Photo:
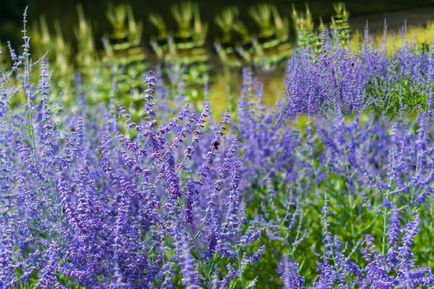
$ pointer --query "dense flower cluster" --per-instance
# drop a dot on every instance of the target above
(340, 80)
(271, 198)
(368, 166)
(82, 199)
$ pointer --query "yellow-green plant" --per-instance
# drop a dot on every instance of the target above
(41, 38)
(226, 20)
(269, 46)
(57, 50)
(158, 22)
(3, 59)
(85, 41)
(392, 40)
(117, 16)
(63, 61)
(126, 56)
(190, 33)
(135, 28)
(187, 17)
(270, 22)
(340, 26)
(96, 81)
(303, 26)
(281, 24)
(124, 25)
(63, 51)
(262, 15)
(242, 30)
(200, 29)
(183, 15)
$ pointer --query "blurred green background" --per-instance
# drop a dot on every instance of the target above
(416, 12)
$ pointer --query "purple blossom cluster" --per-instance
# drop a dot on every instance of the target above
(336, 270)
(379, 164)
(93, 199)
(369, 153)
(348, 82)
(83, 201)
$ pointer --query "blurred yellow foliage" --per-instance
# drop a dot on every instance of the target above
(421, 36)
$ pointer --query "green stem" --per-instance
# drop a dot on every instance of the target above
(240, 272)
(384, 227)
(197, 249)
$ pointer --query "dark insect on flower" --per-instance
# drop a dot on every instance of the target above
(216, 145)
